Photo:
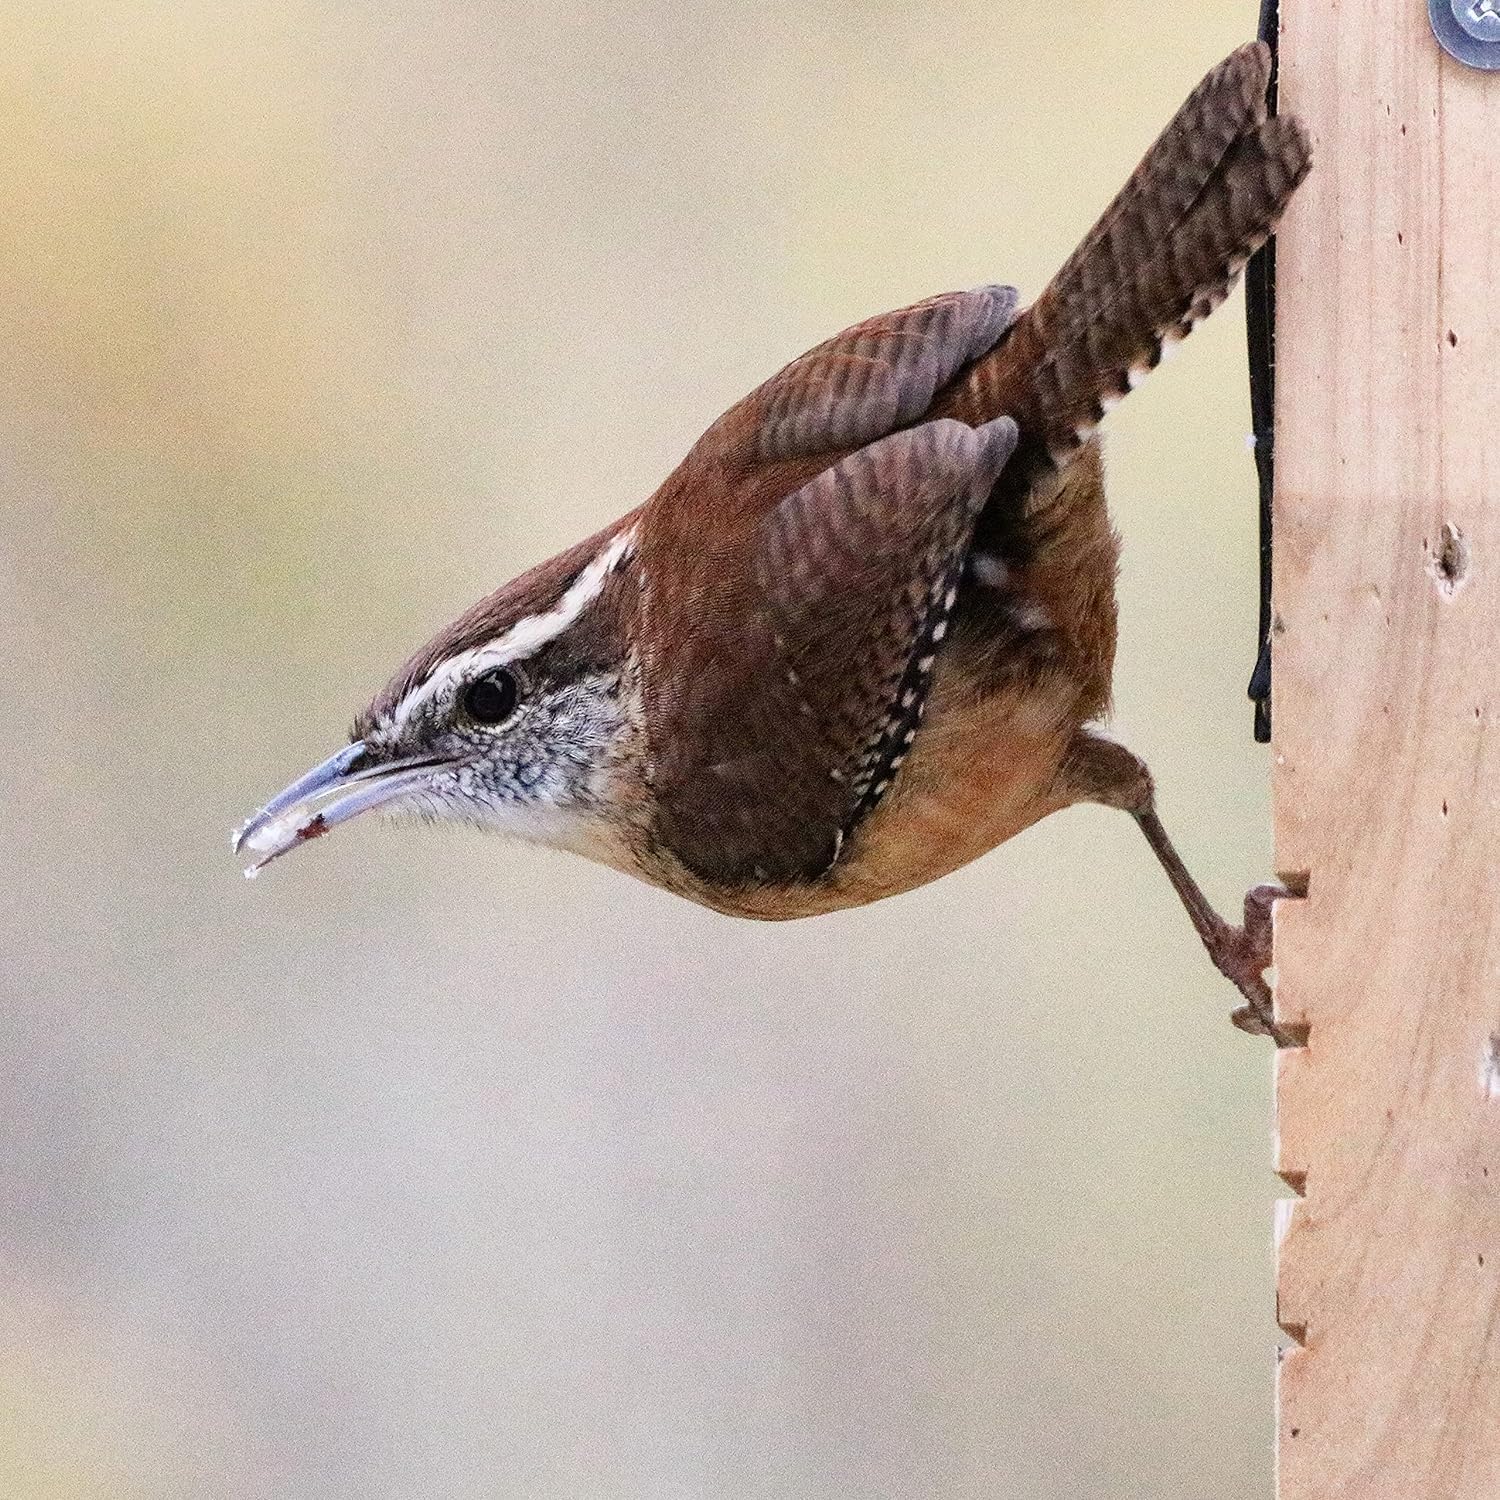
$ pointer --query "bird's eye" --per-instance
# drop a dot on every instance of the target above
(490, 699)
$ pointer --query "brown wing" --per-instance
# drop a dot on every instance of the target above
(779, 725)
(865, 382)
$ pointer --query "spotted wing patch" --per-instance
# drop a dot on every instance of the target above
(897, 730)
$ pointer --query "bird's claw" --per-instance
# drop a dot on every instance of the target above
(1243, 954)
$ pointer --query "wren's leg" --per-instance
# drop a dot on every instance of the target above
(1241, 954)
(1101, 769)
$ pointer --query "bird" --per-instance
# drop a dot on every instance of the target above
(864, 632)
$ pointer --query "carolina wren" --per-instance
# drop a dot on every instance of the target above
(865, 631)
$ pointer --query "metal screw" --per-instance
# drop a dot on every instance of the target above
(1468, 30)
(1480, 18)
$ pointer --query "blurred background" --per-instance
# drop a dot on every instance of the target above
(431, 1166)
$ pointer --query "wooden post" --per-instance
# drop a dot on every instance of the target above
(1387, 781)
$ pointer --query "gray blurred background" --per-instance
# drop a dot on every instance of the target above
(427, 1166)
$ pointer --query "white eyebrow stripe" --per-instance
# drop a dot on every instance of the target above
(534, 631)
(529, 634)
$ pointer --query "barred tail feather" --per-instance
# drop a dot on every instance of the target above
(1166, 252)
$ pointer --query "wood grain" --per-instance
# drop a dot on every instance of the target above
(1387, 783)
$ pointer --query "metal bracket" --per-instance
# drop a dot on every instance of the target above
(1468, 30)
(1260, 320)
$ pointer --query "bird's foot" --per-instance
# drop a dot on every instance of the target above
(1242, 955)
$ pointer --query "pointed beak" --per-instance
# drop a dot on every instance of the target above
(329, 794)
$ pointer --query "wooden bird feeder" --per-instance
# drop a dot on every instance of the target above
(1387, 762)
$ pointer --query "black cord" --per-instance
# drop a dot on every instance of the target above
(1260, 317)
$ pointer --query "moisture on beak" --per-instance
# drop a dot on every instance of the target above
(329, 794)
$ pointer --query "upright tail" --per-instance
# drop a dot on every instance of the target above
(1164, 254)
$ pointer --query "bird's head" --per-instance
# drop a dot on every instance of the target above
(523, 716)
